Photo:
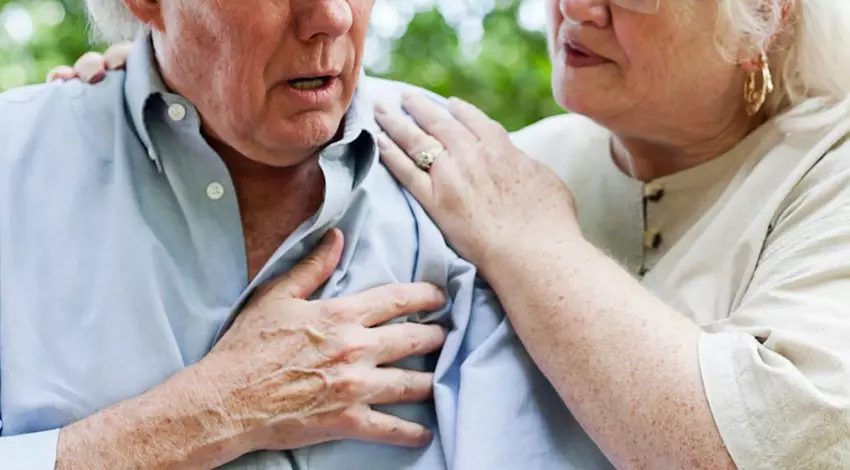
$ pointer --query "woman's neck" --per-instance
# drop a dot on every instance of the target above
(646, 159)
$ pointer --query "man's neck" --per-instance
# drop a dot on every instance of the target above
(273, 201)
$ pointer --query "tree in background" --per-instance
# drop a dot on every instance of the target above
(505, 71)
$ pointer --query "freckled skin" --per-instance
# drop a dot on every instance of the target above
(625, 363)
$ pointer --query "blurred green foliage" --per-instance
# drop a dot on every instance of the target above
(507, 75)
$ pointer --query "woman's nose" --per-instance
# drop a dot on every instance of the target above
(595, 12)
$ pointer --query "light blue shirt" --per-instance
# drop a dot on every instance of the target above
(122, 261)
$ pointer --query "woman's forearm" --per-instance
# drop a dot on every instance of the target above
(624, 362)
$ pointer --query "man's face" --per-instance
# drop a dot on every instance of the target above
(271, 78)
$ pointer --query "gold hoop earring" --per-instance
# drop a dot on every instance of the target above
(755, 94)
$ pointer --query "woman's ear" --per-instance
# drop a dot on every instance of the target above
(786, 16)
(148, 12)
(788, 7)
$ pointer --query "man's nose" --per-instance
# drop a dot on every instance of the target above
(319, 20)
(595, 12)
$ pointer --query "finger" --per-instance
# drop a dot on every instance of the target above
(406, 134)
(481, 125)
(401, 340)
(437, 121)
(311, 272)
(416, 181)
(90, 67)
(391, 385)
(116, 56)
(62, 72)
(374, 426)
(382, 304)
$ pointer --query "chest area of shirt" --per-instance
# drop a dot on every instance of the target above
(123, 290)
(660, 235)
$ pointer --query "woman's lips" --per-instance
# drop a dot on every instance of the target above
(578, 56)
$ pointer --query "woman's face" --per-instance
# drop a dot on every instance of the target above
(647, 75)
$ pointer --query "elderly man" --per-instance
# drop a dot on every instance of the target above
(153, 313)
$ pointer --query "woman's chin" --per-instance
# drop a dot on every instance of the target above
(578, 103)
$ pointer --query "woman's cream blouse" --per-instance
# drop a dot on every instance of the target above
(754, 246)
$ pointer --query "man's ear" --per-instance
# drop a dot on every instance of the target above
(148, 12)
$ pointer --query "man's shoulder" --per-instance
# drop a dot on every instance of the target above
(58, 114)
(19, 105)
(390, 92)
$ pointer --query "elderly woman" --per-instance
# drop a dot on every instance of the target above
(683, 277)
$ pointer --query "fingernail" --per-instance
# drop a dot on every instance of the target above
(97, 77)
(87, 73)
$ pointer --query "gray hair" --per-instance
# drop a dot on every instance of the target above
(112, 21)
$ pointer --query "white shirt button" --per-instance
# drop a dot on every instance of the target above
(177, 112)
(215, 191)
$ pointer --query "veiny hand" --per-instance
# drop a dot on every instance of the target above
(91, 67)
(292, 372)
(487, 196)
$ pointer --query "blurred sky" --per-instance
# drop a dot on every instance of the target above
(389, 21)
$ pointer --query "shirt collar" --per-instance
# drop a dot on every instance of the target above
(143, 83)
(358, 142)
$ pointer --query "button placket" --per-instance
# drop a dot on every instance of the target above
(653, 192)
(653, 236)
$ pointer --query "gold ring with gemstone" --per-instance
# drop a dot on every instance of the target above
(425, 159)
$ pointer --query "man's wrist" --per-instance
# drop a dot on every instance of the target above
(175, 425)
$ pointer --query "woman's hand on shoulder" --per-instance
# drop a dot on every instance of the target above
(489, 198)
(92, 66)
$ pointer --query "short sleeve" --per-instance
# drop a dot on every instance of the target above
(777, 376)
(35, 451)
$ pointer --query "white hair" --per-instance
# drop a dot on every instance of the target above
(112, 21)
(808, 53)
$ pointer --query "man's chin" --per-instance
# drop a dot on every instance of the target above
(305, 133)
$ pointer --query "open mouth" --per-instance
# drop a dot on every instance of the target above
(311, 83)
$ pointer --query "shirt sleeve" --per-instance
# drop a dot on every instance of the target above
(777, 376)
(495, 410)
(36, 451)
